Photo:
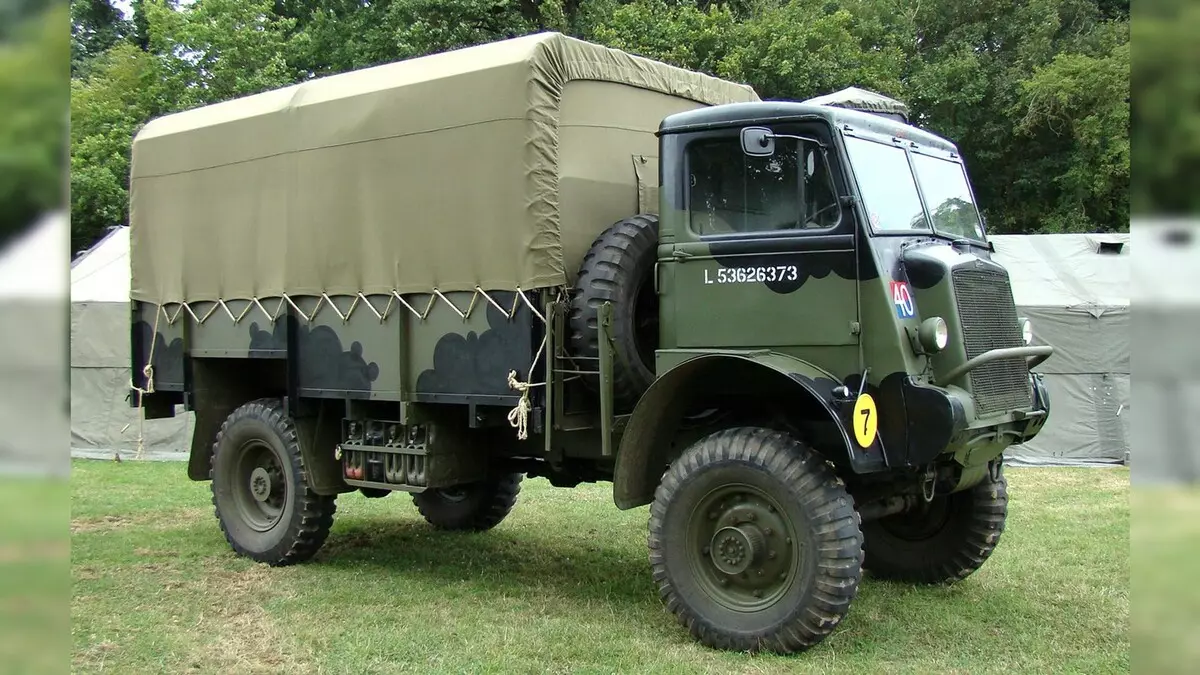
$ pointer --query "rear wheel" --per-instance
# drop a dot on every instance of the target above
(945, 540)
(260, 486)
(474, 506)
(754, 542)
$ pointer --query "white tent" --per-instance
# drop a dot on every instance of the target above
(1074, 288)
(102, 421)
(33, 391)
(1166, 290)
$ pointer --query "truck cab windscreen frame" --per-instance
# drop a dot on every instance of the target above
(907, 190)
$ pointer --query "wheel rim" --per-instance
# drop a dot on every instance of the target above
(259, 486)
(742, 547)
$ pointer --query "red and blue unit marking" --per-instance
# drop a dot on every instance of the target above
(903, 300)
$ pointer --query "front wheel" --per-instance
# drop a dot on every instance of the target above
(942, 541)
(754, 542)
(261, 490)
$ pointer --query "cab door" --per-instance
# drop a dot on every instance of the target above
(763, 254)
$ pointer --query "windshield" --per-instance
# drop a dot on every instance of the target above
(944, 185)
(888, 190)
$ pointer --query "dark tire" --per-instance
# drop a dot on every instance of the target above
(754, 542)
(619, 268)
(943, 541)
(476, 506)
(260, 488)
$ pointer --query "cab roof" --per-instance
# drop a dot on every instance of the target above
(768, 112)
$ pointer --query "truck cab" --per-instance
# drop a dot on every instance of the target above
(851, 245)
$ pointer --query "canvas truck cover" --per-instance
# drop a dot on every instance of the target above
(440, 172)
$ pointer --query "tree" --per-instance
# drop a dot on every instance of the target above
(965, 82)
(1034, 92)
(32, 133)
(1165, 122)
(95, 27)
(1079, 104)
(124, 89)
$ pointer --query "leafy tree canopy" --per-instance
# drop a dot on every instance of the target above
(1035, 92)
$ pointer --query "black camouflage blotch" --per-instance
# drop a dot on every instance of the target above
(821, 386)
(924, 273)
(262, 341)
(323, 363)
(817, 264)
(932, 423)
(479, 364)
(916, 421)
(168, 359)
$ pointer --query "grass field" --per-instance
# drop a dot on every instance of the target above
(563, 585)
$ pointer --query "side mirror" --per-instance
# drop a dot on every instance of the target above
(758, 142)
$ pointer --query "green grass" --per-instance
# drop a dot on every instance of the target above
(1165, 540)
(563, 585)
(34, 574)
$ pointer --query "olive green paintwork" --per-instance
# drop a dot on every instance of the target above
(842, 319)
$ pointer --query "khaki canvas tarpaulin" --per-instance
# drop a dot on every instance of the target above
(437, 172)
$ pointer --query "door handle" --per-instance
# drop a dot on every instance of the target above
(680, 255)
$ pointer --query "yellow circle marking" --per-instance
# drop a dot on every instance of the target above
(866, 421)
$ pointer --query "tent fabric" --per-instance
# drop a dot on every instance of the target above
(102, 273)
(855, 98)
(439, 172)
(102, 422)
(1074, 289)
(1167, 387)
(33, 397)
(27, 264)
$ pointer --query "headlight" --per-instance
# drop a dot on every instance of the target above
(1026, 331)
(933, 334)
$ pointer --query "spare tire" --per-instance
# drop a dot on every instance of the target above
(619, 268)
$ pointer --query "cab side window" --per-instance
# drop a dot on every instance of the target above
(730, 192)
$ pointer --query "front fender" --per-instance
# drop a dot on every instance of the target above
(646, 448)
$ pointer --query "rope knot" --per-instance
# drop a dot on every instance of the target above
(518, 417)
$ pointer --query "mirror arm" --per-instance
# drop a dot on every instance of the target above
(798, 138)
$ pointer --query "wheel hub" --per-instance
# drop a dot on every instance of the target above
(734, 549)
(746, 552)
(260, 484)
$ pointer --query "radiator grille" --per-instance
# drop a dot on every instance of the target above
(988, 318)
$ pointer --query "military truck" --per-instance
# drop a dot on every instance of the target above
(777, 324)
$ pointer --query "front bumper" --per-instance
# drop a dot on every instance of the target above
(1036, 419)
(941, 420)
